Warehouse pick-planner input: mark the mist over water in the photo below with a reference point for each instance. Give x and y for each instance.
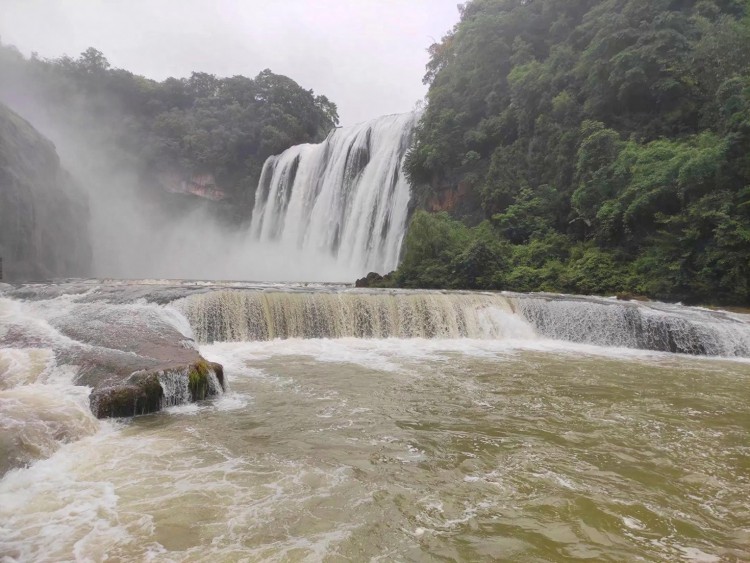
(327, 212)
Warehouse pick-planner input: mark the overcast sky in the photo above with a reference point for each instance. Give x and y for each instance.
(368, 56)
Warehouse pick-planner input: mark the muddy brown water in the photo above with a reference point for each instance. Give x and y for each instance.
(409, 450)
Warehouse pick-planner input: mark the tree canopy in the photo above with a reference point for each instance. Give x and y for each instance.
(203, 124)
(607, 144)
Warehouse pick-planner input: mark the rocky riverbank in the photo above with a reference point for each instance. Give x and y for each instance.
(135, 357)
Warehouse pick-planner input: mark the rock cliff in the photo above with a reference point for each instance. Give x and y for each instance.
(43, 215)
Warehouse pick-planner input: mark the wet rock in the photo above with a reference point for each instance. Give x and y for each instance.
(136, 358)
(43, 214)
(149, 391)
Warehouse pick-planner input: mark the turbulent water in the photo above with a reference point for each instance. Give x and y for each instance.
(346, 198)
(379, 425)
(237, 315)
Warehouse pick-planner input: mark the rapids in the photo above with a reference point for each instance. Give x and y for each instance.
(240, 315)
(375, 425)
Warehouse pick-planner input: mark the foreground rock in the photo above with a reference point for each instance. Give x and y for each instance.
(139, 363)
(148, 391)
(133, 356)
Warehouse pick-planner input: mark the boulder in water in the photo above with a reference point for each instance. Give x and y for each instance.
(151, 390)
(136, 358)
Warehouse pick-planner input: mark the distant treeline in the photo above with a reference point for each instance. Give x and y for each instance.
(225, 127)
(605, 145)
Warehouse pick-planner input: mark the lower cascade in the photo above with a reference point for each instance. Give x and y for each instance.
(347, 197)
(247, 315)
(176, 387)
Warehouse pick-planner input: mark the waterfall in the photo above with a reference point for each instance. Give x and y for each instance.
(346, 198)
(244, 315)
(648, 326)
(175, 388)
(259, 315)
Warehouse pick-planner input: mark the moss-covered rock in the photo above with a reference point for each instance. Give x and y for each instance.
(143, 393)
(125, 400)
(198, 380)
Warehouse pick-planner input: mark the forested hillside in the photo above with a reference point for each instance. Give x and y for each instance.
(606, 145)
(204, 134)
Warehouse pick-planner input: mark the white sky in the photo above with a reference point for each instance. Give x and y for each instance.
(367, 56)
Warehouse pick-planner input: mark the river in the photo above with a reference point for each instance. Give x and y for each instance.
(499, 446)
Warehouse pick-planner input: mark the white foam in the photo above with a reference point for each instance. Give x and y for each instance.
(697, 555)
(38, 419)
(231, 401)
(23, 366)
(184, 409)
(391, 354)
(47, 512)
(177, 320)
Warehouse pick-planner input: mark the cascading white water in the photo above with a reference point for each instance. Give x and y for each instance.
(648, 326)
(175, 385)
(255, 315)
(264, 315)
(346, 198)
(176, 388)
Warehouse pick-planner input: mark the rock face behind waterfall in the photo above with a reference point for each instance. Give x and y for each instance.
(43, 216)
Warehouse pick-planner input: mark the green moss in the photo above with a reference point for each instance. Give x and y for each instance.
(198, 380)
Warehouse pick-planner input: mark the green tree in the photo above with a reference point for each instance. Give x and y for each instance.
(607, 142)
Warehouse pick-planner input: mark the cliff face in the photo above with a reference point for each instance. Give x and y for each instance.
(200, 185)
(455, 197)
(43, 215)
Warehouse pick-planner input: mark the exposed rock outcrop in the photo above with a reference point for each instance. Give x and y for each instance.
(455, 197)
(43, 215)
(448, 198)
(135, 357)
(201, 185)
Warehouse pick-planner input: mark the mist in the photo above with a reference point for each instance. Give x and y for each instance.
(134, 235)
(139, 230)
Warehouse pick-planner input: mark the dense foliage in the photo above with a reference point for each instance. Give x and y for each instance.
(225, 127)
(607, 144)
